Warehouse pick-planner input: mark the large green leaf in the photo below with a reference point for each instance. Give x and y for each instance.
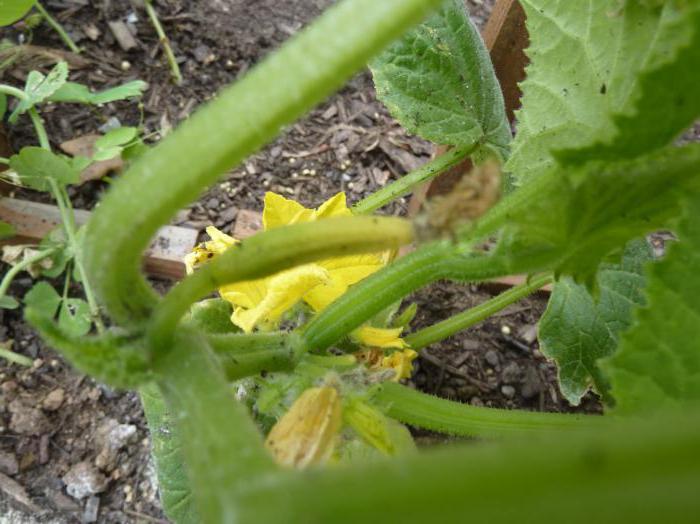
(13, 10)
(43, 298)
(39, 87)
(577, 329)
(658, 363)
(173, 485)
(438, 82)
(78, 93)
(74, 318)
(36, 166)
(592, 61)
(583, 214)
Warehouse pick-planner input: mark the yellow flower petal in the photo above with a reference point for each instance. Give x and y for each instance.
(306, 434)
(282, 291)
(336, 206)
(379, 337)
(280, 211)
(400, 362)
(220, 241)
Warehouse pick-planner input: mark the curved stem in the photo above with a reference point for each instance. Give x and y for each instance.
(13, 91)
(58, 28)
(241, 119)
(370, 296)
(446, 416)
(11, 356)
(468, 318)
(408, 182)
(274, 251)
(14, 270)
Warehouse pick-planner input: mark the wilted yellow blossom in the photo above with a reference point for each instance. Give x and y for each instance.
(262, 302)
(401, 362)
(306, 434)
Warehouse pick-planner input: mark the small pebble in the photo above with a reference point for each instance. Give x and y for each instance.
(54, 400)
(492, 357)
(508, 391)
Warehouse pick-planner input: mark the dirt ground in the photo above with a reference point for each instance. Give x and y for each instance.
(79, 450)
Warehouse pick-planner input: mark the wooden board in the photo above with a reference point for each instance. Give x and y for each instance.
(33, 221)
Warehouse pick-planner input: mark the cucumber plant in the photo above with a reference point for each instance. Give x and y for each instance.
(592, 168)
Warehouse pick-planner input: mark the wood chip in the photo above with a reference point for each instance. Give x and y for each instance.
(85, 146)
(247, 224)
(17, 494)
(121, 32)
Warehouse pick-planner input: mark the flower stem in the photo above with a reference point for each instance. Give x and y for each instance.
(407, 183)
(68, 219)
(13, 91)
(165, 42)
(11, 356)
(468, 318)
(57, 27)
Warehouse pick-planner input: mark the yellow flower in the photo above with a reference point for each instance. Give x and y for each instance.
(262, 302)
(306, 434)
(401, 362)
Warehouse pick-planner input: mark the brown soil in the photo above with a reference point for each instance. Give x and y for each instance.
(54, 420)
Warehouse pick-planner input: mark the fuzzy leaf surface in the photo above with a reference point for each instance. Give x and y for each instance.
(578, 329)
(599, 66)
(438, 82)
(658, 363)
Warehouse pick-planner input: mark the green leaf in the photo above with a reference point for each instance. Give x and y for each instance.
(7, 302)
(43, 299)
(582, 214)
(6, 230)
(173, 485)
(13, 10)
(74, 317)
(107, 153)
(592, 64)
(56, 239)
(438, 82)
(119, 361)
(39, 88)
(116, 137)
(78, 93)
(577, 329)
(658, 364)
(36, 165)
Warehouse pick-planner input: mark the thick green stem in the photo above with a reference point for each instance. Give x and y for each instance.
(274, 251)
(370, 296)
(426, 411)
(468, 318)
(236, 123)
(20, 266)
(407, 183)
(246, 355)
(644, 471)
(222, 446)
(164, 41)
(58, 28)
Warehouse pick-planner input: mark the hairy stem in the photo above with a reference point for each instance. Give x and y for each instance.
(426, 411)
(370, 296)
(274, 251)
(57, 27)
(165, 42)
(468, 318)
(241, 119)
(407, 183)
(221, 445)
